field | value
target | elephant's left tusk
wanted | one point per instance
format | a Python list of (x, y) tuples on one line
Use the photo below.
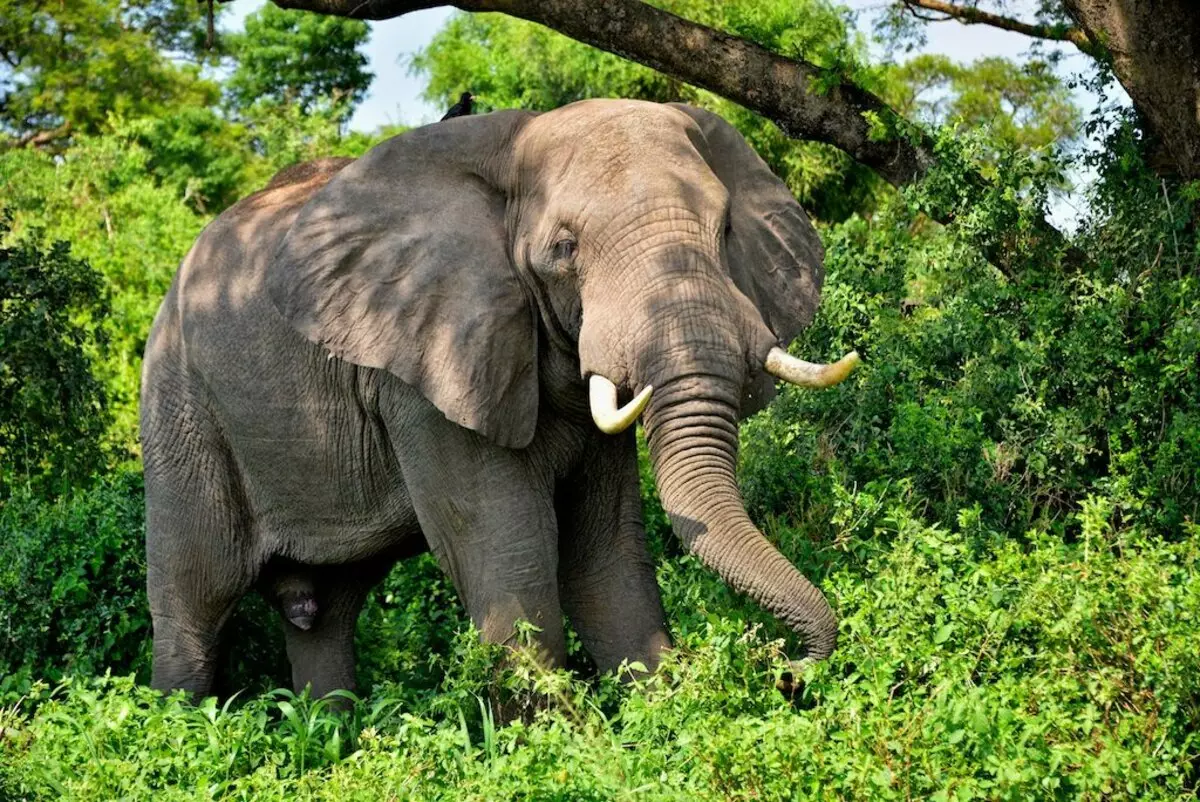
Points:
[(795, 371), (610, 419)]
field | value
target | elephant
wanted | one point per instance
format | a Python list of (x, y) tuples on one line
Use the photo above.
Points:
[(442, 346)]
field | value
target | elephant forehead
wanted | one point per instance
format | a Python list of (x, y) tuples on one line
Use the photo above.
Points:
[(611, 134), (625, 159)]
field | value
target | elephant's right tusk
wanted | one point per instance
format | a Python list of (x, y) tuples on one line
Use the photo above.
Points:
[(610, 419), (784, 366)]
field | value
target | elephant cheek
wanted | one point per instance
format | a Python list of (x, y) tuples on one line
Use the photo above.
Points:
[(601, 352)]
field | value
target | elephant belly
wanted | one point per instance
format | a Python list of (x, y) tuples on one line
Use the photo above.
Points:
[(323, 484)]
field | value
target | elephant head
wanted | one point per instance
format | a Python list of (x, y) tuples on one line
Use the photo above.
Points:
[(648, 243)]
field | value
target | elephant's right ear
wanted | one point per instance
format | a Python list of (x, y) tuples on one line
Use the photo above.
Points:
[(401, 262)]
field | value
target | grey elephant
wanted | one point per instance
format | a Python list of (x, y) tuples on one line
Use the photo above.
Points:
[(426, 347)]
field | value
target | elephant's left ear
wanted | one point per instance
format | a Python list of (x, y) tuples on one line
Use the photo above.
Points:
[(775, 255), (402, 263)]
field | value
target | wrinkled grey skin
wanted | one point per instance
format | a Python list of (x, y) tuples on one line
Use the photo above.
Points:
[(371, 358)]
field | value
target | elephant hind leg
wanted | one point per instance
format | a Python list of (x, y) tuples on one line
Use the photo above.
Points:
[(186, 648), (193, 591), (188, 614), (199, 565), (322, 653)]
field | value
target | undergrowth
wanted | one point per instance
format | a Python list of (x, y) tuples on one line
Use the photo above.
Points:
[(970, 667)]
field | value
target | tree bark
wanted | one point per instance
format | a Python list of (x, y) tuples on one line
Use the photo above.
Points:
[(38, 139), (1155, 53), (804, 100)]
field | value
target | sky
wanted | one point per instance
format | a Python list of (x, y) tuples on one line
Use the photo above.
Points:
[(394, 96)]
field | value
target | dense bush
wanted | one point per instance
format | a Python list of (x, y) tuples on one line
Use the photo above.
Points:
[(73, 594), (1019, 393), (53, 412), (970, 667), (72, 584), (132, 202)]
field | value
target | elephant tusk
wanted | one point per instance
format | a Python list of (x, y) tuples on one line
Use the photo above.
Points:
[(795, 371), (602, 395)]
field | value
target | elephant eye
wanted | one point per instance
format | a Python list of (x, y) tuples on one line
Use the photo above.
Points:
[(565, 249)]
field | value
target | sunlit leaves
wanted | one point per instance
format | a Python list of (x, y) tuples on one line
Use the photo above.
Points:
[(295, 58), (73, 64)]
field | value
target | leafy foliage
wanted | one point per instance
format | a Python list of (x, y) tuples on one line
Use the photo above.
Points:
[(73, 64), (970, 667), (1001, 505), (287, 58), (72, 577), (1024, 105), (133, 232), (1022, 394), (52, 407), (128, 202)]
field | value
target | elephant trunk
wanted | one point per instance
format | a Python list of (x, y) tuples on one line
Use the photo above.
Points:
[(691, 427)]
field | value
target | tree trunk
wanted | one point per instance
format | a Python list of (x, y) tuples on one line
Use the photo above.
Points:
[(1155, 51)]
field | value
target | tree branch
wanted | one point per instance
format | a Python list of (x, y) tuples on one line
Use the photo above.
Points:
[(38, 139), (969, 15), (804, 100)]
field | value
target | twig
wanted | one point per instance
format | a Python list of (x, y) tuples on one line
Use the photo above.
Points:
[(969, 15)]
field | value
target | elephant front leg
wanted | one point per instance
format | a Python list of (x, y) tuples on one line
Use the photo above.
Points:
[(606, 575), (488, 515)]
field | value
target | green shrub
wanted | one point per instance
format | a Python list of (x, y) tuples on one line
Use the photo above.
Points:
[(970, 666), (1022, 393), (73, 594), (73, 584), (408, 628), (52, 408)]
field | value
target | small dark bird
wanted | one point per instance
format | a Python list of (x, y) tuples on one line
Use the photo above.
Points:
[(462, 108)]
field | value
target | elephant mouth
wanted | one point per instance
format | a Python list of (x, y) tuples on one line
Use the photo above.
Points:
[(613, 419)]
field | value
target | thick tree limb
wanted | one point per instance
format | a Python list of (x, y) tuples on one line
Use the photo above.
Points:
[(1155, 49), (804, 100), (39, 139), (969, 15)]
